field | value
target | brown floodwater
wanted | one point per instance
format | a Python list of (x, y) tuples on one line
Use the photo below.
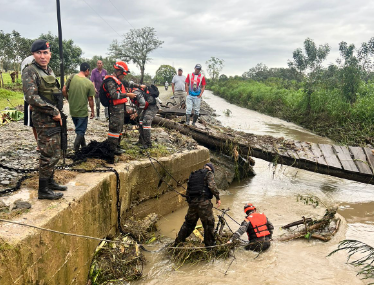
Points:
[(274, 190)]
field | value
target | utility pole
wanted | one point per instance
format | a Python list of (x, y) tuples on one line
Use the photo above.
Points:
[(60, 44)]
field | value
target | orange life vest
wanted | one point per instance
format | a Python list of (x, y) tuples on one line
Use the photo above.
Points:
[(258, 222), (120, 89)]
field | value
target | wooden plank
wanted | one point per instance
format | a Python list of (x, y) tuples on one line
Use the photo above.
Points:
[(369, 157), (308, 151), (345, 158), (330, 157), (292, 154), (318, 154), (300, 151), (360, 159)]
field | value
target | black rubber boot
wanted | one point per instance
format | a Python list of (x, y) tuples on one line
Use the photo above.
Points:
[(83, 142), (53, 185), (77, 142), (188, 119), (195, 117), (45, 193)]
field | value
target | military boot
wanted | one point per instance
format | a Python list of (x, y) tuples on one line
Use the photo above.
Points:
[(77, 142), (53, 185), (188, 119), (195, 117), (45, 193), (147, 139)]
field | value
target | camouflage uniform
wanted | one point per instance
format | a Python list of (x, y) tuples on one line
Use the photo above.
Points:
[(200, 207), (145, 124), (48, 130), (116, 116)]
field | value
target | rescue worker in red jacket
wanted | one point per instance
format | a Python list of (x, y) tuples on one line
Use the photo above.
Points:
[(117, 95), (258, 229)]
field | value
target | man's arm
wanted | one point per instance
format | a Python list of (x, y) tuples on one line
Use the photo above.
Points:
[(30, 90), (112, 90), (213, 187), (65, 92), (172, 87), (91, 104), (203, 83), (242, 229)]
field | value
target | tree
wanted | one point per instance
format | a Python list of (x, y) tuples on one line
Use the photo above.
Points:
[(259, 73), (310, 62), (136, 47), (223, 77), (214, 67), (72, 54), (312, 59), (165, 73)]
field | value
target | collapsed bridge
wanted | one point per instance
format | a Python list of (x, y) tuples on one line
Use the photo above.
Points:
[(349, 162)]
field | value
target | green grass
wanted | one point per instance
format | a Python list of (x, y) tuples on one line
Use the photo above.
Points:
[(15, 98), (330, 114)]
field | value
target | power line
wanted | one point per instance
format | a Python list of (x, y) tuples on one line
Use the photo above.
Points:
[(102, 18), (119, 11)]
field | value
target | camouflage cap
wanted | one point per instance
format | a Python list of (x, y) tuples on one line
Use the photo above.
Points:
[(39, 45)]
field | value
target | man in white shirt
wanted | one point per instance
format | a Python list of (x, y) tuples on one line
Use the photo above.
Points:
[(178, 86)]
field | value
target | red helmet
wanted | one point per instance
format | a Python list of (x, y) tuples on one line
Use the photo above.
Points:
[(249, 207), (120, 65)]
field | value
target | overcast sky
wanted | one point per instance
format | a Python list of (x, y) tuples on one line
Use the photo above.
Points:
[(242, 32)]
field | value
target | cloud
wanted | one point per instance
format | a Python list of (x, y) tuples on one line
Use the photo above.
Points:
[(242, 32)]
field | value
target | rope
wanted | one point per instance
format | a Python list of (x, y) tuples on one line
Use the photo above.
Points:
[(62, 233)]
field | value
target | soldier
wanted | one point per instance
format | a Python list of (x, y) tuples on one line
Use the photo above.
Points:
[(42, 92), (146, 102), (117, 95), (201, 188)]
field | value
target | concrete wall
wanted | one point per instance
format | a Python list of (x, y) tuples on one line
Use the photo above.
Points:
[(31, 256)]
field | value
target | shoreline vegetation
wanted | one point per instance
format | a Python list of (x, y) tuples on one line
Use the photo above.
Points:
[(328, 115), (336, 101)]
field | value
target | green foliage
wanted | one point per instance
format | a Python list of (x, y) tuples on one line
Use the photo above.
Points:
[(214, 67), (165, 73), (136, 47), (72, 54), (15, 98)]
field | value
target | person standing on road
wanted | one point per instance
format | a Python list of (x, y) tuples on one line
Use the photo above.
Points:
[(41, 90), (116, 93), (195, 86), (79, 91), (178, 87), (201, 188), (97, 77), (258, 229)]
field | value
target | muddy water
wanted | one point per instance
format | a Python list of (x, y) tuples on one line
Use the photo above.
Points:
[(273, 191)]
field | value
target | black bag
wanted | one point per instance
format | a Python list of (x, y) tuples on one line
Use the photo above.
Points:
[(104, 100), (153, 90)]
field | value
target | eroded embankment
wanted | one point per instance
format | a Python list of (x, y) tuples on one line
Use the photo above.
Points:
[(89, 207)]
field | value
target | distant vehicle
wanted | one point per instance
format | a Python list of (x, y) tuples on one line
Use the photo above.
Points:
[(166, 85)]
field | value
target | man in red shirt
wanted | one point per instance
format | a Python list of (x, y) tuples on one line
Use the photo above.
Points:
[(195, 86)]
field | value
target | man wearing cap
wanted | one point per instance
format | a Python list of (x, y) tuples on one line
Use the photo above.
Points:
[(97, 77), (79, 91), (195, 86), (201, 188), (41, 90), (178, 87)]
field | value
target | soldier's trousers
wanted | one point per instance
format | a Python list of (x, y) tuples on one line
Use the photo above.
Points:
[(145, 124), (116, 120), (49, 143), (196, 210)]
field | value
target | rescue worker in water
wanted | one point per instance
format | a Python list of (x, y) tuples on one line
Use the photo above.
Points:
[(258, 229)]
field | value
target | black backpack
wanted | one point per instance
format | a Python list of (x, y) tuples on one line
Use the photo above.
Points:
[(104, 100), (153, 90)]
